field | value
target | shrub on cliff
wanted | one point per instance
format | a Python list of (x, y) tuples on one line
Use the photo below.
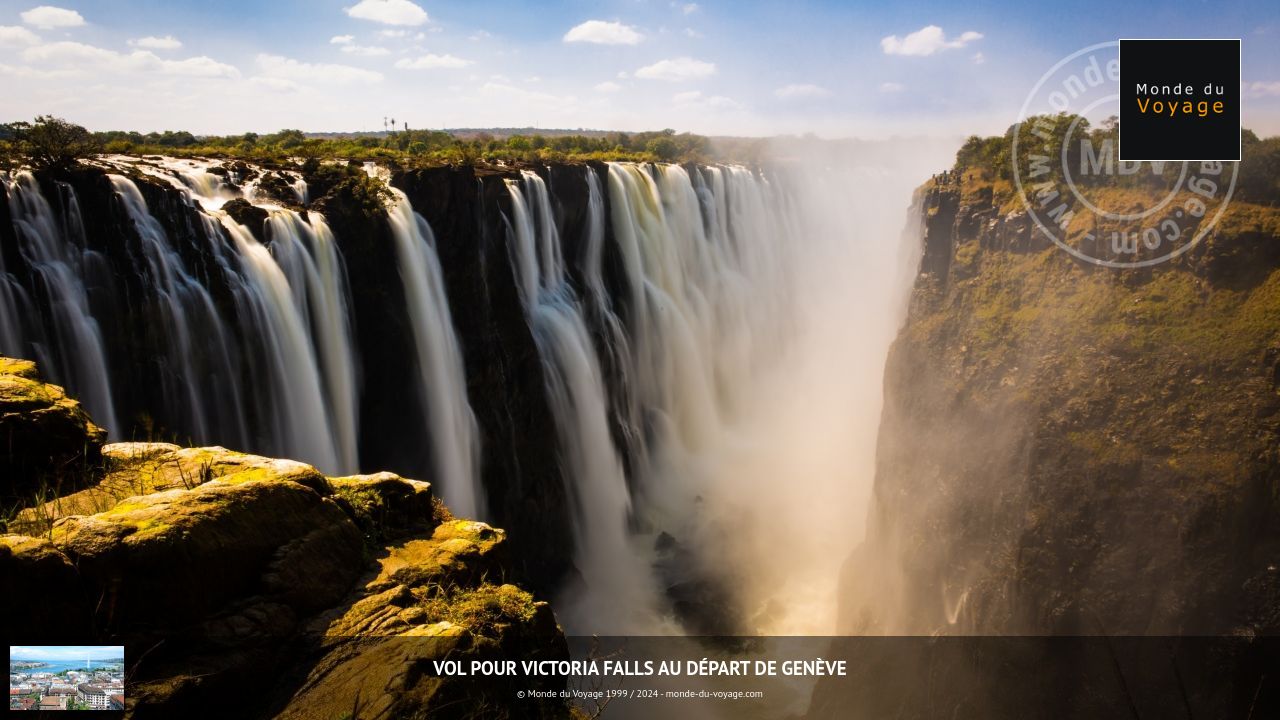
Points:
[(53, 143)]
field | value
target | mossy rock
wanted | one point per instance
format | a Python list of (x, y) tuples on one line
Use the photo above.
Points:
[(187, 554), (138, 468), (459, 552), (385, 505), (48, 443)]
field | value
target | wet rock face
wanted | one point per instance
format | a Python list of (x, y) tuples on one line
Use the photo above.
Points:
[(1072, 450), (506, 384), (48, 444), (505, 378)]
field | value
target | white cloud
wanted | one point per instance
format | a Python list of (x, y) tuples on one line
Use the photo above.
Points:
[(341, 39), (689, 8), (979, 58), (365, 50), (520, 96), (479, 35), (690, 32), (278, 66), (47, 17), (168, 42), (800, 91), (431, 61), (677, 70), (926, 41), (603, 32), (608, 86), (74, 55), (1259, 89), (389, 12), (275, 83), (15, 35), (890, 88), (393, 33), (715, 102)]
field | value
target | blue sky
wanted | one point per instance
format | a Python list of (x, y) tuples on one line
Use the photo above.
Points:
[(66, 652), (862, 69)]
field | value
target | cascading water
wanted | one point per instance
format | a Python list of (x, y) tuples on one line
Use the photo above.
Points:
[(297, 297), (300, 421), (718, 385), (617, 592), (55, 252), (309, 258), (195, 380), (441, 380)]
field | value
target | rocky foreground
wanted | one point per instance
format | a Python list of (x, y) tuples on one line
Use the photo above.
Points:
[(245, 586)]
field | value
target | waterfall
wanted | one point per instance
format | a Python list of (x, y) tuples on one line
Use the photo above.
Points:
[(296, 297), (441, 381), (617, 592), (198, 374), (301, 422), (309, 258), (56, 253)]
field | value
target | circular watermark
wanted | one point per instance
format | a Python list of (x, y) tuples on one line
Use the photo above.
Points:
[(1077, 191)]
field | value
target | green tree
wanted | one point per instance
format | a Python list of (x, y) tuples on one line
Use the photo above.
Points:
[(54, 143), (664, 148)]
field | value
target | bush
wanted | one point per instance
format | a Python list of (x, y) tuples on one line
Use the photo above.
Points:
[(54, 143)]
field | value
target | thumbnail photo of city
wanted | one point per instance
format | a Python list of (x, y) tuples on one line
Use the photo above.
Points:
[(66, 677)]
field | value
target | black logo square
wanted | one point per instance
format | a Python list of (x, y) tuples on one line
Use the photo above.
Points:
[(1179, 100)]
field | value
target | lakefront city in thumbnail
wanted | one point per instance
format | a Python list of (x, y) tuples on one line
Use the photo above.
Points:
[(633, 359), (66, 677)]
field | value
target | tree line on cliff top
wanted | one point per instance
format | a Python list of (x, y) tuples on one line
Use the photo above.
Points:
[(1258, 180), (53, 142)]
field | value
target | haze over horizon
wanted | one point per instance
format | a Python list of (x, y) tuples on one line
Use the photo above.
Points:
[(65, 652), (870, 71)]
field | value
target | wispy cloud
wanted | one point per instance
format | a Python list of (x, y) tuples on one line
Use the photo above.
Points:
[(926, 41), (88, 58), (800, 91), (603, 32), (341, 39), (280, 67), (677, 70), (365, 50), (168, 42), (431, 61), (1261, 89), (389, 12), (47, 17), (16, 36)]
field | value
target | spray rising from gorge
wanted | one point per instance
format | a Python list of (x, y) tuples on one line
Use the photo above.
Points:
[(706, 343)]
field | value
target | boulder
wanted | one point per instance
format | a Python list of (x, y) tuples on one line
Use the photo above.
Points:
[(188, 553), (47, 441), (139, 468), (44, 599)]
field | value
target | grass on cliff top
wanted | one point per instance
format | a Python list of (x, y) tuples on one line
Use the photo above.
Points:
[(483, 610), (49, 141)]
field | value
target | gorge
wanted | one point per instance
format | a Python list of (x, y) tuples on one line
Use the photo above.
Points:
[(583, 354), (664, 382)]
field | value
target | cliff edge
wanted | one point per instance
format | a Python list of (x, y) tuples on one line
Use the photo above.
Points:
[(245, 586)]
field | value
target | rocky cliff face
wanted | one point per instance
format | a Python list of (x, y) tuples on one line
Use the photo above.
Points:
[(251, 587), (522, 474), (1075, 450), (1068, 450)]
